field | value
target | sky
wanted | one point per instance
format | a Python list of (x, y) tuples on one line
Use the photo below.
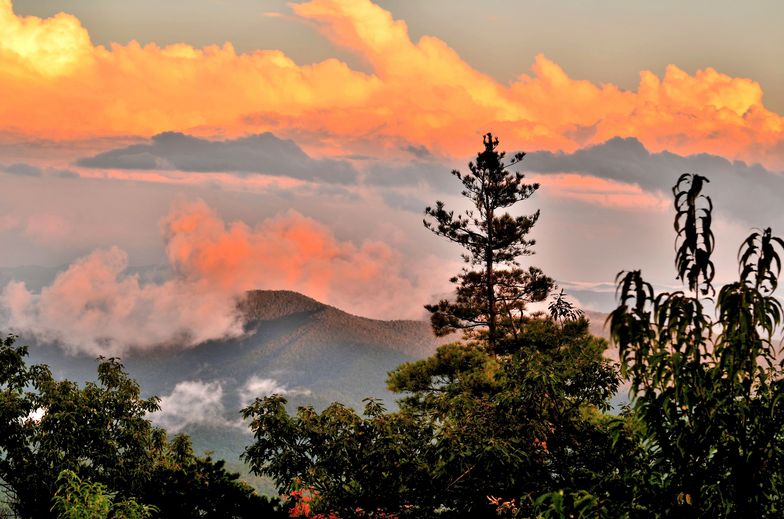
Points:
[(164, 157)]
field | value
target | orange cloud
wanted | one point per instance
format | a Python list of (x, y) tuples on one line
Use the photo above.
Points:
[(96, 306), (290, 252), (232, 181), (56, 84)]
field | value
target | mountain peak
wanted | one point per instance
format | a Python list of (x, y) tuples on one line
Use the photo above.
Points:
[(318, 323), (267, 305)]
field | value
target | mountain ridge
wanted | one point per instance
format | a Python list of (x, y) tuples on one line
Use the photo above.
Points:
[(288, 337), (410, 337)]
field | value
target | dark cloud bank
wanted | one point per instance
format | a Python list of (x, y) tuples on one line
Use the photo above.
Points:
[(748, 192), (264, 153), (28, 170)]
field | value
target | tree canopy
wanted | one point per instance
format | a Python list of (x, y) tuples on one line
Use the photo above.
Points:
[(707, 389), (93, 446)]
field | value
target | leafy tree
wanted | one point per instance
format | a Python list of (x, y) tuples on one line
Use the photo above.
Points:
[(708, 391), (379, 462), (520, 426), (49, 426), (97, 441), (184, 485), (493, 241), (470, 425)]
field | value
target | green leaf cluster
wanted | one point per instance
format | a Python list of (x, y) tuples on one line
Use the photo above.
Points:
[(470, 425), (707, 389)]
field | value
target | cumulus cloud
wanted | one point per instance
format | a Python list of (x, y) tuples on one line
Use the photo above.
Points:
[(98, 306), (290, 251), (192, 402), (262, 153), (201, 403), (421, 94)]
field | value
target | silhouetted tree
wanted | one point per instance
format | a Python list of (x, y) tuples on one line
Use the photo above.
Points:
[(707, 391), (489, 301)]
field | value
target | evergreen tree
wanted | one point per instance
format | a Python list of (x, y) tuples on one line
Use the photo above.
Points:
[(492, 294)]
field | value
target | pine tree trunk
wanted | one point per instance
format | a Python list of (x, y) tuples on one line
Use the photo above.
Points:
[(489, 281), (490, 304)]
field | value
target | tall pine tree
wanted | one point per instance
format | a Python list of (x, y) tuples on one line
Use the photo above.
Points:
[(493, 291)]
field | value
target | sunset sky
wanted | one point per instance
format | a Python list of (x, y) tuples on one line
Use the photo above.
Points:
[(225, 146)]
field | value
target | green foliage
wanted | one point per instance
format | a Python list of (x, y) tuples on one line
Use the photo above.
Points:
[(489, 302), (471, 425), (707, 390), (376, 462), (86, 448), (183, 485), (79, 499), (48, 426), (522, 425)]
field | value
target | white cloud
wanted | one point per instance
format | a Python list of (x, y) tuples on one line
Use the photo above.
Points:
[(192, 402), (258, 387)]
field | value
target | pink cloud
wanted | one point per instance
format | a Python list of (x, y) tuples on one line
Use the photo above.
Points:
[(603, 192), (96, 306)]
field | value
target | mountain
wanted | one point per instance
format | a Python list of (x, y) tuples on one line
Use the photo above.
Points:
[(321, 354), (327, 324), (312, 353)]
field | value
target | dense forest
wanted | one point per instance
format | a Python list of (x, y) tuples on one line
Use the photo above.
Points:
[(513, 420)]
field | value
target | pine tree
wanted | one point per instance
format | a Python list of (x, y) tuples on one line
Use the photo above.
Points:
[(492, 294)]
